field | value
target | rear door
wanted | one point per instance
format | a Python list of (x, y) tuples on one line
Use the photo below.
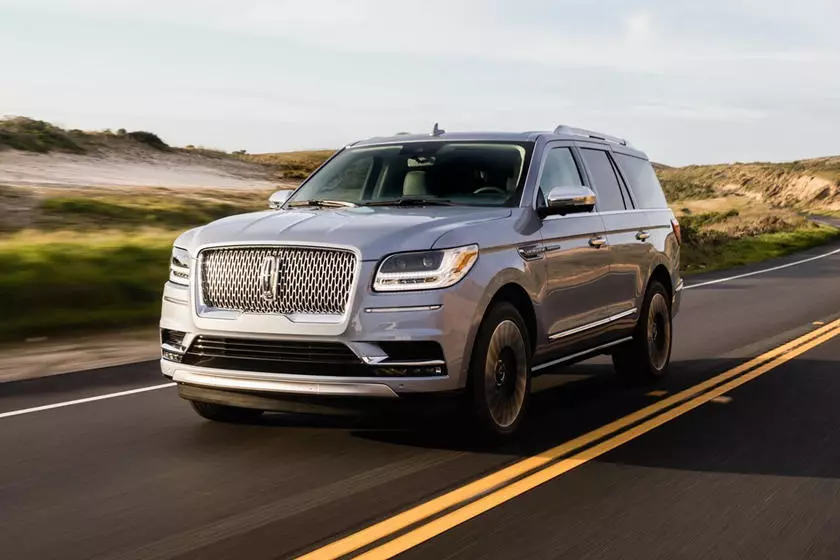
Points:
[(629, 251), (576, 294)]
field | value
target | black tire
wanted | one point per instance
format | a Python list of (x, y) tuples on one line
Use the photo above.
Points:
[(645, 359), (225, 413), (500, 373)]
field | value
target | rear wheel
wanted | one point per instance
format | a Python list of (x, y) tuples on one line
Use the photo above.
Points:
[(500, 372), (647, 356), (225, 413)]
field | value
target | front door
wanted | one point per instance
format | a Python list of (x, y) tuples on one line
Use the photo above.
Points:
[(575, 297)]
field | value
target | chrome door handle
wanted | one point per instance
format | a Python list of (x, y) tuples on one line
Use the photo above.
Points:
[(532, 252), (642, 236), (597, 242)]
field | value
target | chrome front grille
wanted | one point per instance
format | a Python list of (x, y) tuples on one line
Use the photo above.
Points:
[(286, 280)]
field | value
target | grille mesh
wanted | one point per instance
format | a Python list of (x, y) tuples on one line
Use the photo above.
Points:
[(309, 280)]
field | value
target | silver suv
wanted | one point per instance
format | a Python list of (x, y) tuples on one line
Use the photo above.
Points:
[(443, 265)]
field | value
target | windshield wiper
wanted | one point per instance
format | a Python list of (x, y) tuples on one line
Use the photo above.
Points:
[(323, 204), (412, 202)]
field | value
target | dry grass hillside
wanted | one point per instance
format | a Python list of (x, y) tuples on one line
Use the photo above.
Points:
[(811, 185), (37, 153)]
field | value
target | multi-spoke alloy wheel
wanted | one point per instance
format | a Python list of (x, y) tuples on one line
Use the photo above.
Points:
[(505, 373), (501, 372), (647, 356)]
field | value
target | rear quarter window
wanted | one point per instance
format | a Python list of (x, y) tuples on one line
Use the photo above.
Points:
[(643, 181)]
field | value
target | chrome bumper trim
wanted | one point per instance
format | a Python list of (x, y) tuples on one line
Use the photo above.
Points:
[(420, 363), (219, 381), (174, 349), (402, 309)]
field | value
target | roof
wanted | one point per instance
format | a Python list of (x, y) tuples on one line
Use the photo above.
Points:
[(560, 133), (453, 137)]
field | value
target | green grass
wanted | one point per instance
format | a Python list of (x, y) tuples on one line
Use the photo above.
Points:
[(697, 221), (52, 285), (708, 251), (132, 212)]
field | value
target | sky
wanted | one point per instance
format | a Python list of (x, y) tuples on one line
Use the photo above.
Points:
[(686, 81)]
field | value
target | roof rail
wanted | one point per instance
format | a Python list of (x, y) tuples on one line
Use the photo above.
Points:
[(564, 129)]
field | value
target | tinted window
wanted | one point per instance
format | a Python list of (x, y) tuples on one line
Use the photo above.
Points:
[(606, 183), (560, 170), (643, 181)]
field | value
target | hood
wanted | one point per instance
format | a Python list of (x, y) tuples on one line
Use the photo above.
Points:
[(375, 231)]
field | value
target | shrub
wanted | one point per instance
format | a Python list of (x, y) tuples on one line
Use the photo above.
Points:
[(21, 133), (149, 139)]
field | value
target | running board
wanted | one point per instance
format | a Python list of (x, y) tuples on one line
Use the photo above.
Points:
[(580, 356)]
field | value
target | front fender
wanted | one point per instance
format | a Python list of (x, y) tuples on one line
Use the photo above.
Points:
[(510, 269)]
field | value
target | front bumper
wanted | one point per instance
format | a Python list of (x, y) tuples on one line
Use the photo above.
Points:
[(374, 322), (258, 382)]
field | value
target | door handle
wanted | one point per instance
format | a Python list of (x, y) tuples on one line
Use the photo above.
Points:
[(642, 236), (532, 252), (597, 242)]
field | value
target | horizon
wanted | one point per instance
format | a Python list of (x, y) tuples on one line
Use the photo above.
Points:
[(688, 85)]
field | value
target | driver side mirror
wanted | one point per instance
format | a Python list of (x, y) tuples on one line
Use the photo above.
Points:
[(569, 200), (278, 199)]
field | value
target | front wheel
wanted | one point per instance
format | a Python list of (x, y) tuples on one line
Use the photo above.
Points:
[(225, 413), (647, 356), (500, 372)]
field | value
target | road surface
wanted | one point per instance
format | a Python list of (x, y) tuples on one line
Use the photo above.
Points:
[(718, 471)]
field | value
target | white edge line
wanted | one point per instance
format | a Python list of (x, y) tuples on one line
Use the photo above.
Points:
[(788, 265), (86, 400)]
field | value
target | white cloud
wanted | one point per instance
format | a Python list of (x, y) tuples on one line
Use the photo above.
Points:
[(638, 27), (701, 112), (331, 70)]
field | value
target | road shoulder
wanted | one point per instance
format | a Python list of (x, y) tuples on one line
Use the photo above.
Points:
[(47, 357)]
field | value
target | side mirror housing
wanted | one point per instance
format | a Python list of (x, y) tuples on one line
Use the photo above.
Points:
[(569, 200), (278, 199)]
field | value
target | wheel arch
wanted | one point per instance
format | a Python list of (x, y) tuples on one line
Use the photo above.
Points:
[(507, 287), (661, 274)]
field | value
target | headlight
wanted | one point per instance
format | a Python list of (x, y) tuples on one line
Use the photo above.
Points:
[(426, 270), (179, 267)]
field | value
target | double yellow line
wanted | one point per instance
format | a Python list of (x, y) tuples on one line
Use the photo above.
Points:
[(419, 524)]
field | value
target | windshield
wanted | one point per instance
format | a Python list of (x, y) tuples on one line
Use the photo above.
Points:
[(461, 173)]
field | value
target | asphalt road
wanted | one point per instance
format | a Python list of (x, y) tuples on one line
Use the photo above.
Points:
[(753, 474)]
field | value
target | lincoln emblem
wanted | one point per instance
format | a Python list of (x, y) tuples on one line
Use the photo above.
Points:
[(269, 272)]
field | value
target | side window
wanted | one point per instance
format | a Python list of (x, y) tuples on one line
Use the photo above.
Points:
[(560, 170), (643, 181), (606, 183)]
